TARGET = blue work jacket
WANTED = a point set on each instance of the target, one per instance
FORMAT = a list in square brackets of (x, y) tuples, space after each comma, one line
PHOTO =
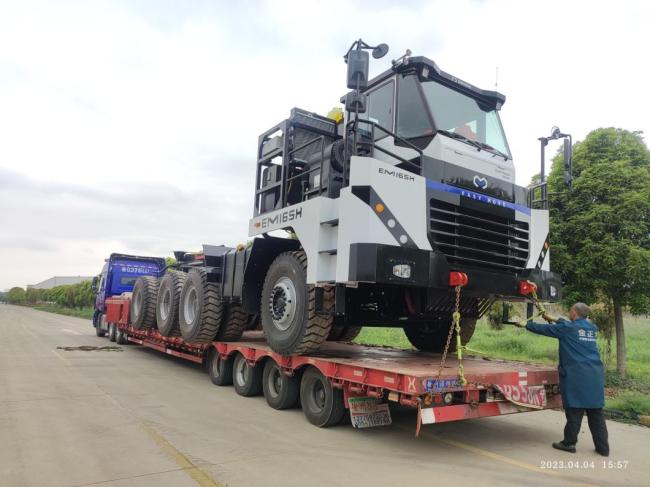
[(582, 376)]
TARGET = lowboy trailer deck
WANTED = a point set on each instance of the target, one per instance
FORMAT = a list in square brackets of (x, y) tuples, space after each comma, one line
[(361, 379)]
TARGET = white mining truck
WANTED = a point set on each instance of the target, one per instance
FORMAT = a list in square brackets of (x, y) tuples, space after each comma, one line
[(381, 201)]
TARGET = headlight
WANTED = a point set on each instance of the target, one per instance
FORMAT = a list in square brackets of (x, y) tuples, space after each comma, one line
[(402, 270)]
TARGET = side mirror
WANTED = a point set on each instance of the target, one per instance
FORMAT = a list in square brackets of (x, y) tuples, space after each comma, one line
[(93, 286), (568, 162), (358, 65)]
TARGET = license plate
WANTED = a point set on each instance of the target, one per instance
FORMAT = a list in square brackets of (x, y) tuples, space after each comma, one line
[(368, 412)]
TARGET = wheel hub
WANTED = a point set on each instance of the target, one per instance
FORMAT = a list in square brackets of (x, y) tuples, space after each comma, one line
[(166, 304), (191, 305), (282, 303)]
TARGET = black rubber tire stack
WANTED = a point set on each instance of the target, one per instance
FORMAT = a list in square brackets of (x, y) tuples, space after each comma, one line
[(307, 329), (143, 302), (200, 308), (169, 295)]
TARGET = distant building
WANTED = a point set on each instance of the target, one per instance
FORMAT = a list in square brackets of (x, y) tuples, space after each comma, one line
[(59, 281)]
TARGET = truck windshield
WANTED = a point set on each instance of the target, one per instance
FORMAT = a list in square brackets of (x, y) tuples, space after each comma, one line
[(452, 112)]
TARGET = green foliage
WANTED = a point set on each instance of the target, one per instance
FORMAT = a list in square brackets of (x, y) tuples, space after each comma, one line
[(4, 296), (170, 261), (16, 295), (600, 230), (69, 296), (630, 402)]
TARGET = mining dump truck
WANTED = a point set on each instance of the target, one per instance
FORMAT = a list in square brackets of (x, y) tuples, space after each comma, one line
[(361, 217)]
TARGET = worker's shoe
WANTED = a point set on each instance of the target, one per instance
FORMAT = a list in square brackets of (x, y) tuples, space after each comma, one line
[(604, 453), (560, 445)]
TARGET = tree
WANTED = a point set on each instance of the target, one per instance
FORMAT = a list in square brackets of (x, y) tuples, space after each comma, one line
[(16, 295), (600, 229)]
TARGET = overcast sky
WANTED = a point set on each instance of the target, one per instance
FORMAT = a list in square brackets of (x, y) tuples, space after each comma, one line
[(131, 126)]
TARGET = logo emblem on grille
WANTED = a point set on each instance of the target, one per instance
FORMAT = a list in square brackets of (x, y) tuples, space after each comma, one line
[(479, 182)]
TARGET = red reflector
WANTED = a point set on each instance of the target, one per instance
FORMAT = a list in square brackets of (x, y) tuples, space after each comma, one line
[(458, 279), (527, 287)]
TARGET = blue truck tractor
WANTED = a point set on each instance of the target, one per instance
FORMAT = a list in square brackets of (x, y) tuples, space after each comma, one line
[(118, 276)]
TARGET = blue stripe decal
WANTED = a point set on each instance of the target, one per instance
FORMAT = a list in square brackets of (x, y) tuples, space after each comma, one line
[(466, 193)]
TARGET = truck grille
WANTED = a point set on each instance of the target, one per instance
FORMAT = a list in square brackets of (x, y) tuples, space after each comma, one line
[(476, 239)]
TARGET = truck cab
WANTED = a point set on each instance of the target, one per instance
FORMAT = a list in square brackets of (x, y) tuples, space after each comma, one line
[(118, 276)]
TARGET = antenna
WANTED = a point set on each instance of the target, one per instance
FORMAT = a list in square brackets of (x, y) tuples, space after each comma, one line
[(496, 79)]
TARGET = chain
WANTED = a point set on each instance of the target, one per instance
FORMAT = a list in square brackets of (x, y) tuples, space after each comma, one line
[(454, 327), (541, 310)]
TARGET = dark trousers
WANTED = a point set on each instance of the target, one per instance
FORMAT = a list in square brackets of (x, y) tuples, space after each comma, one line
[(597, 427)]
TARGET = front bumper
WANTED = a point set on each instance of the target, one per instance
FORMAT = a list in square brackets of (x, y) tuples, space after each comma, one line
[(375, 263)]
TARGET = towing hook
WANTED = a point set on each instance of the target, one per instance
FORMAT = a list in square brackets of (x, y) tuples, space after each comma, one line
[(458, 279)]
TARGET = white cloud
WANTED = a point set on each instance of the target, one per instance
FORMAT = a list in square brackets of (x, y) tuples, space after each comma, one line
[(133, 126)]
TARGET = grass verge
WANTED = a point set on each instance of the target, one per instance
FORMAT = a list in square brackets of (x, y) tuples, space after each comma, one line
[(53, 308)]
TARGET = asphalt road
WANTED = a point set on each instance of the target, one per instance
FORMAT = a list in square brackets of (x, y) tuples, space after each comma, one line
[(136, 417)]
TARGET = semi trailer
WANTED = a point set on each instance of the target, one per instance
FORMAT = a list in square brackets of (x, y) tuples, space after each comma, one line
[(411, 180), (349, 382)]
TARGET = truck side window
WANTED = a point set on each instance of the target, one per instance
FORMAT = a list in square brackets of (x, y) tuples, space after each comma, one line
[(380, 108)]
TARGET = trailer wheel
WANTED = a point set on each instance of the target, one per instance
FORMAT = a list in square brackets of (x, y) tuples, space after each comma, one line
[(246, 379), (288, 311), (143, 302), (234, 323), (219, 369), (341, 333), (432, 337), (111, 331), (200, 308), (322, 404), (99, 331), (120, 337), (281, 391), (169, 295)]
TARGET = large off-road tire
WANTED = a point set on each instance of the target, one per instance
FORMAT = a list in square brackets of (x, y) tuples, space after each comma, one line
[(288, 310), (432, 337), (99, 331), (143, 302), (341, 333), (169, 295), (234, 323), (219, 369), (281, 391), (322, 404), (246, 379), (200, 308)]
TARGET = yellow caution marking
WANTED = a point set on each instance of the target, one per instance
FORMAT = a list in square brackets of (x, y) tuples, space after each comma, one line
[(199, 476)]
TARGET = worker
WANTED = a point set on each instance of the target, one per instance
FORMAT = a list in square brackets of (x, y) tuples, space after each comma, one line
[(582, 376)]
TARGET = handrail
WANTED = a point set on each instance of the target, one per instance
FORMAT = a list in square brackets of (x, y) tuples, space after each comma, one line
[(374, 125)]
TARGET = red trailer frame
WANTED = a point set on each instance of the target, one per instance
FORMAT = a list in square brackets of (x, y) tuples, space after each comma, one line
[(494, 387)]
